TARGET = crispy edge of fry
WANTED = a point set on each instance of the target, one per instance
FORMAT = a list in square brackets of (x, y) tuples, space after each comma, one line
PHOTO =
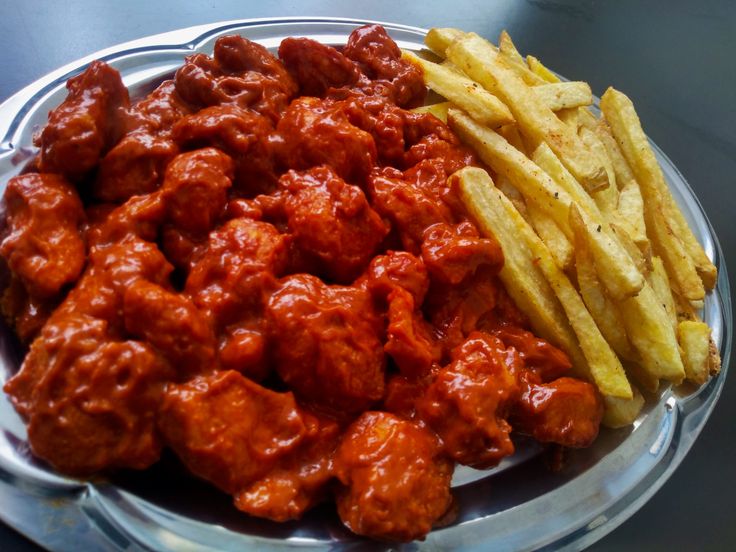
[(564, 95), (438, 39), (602, 309), (508, 48), (539, 69), (554, 238), (714, 358), (626, 127), (694, 337), (469, 96), (686, 312), (630, 208), (439, 110), (500, 217), (622, 412), (667, 244), (479, 60), (521, 277)]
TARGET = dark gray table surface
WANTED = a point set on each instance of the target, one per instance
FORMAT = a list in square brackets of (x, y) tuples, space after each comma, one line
[(676, 61)]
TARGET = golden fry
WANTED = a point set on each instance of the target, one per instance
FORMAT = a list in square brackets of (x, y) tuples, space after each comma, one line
[(536, 67), (507, 49), (570, 118), (439, 39), (469, 96), (554, 238), (650, 332), (661, 286), (642, 262), (563, 95), (672, 237), (602, 309), (514, 195), (439, 110), (694, 338), (687, 312), (630, 203), (480, 61), (622, 412)]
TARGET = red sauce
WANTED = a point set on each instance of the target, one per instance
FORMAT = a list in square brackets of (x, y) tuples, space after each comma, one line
[(262, 267)]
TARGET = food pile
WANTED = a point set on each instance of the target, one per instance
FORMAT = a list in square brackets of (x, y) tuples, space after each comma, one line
[(597, 252), (300, 280)]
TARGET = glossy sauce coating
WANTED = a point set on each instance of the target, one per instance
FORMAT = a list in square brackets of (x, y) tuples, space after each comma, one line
[(261, 266), (395, 478)]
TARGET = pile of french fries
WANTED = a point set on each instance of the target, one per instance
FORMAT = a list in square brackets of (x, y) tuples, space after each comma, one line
[(597, 253)]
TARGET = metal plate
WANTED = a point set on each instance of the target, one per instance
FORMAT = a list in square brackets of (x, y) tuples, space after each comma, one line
[(520, 505)]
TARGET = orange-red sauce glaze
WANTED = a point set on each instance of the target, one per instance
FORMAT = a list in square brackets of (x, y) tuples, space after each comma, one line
[(263, 266)]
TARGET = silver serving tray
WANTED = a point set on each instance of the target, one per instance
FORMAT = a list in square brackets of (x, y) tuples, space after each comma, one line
[(520, 505)]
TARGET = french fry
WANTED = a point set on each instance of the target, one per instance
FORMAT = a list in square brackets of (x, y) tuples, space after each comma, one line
[(563, 95), (499, 216), (686, 312), (512, 136), (439, 39), (536, 67), (586, 119), (507, 49), (672, 237), (642, 262), (694, 338), (661, 286), (570, 118), (602, 309), (606, 198), (554, 238), (520, 274), (650, 332), (622, 412), (479, 60), (546, 159), (439, 110), (630, 206), (514, 195), (469, 96)]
